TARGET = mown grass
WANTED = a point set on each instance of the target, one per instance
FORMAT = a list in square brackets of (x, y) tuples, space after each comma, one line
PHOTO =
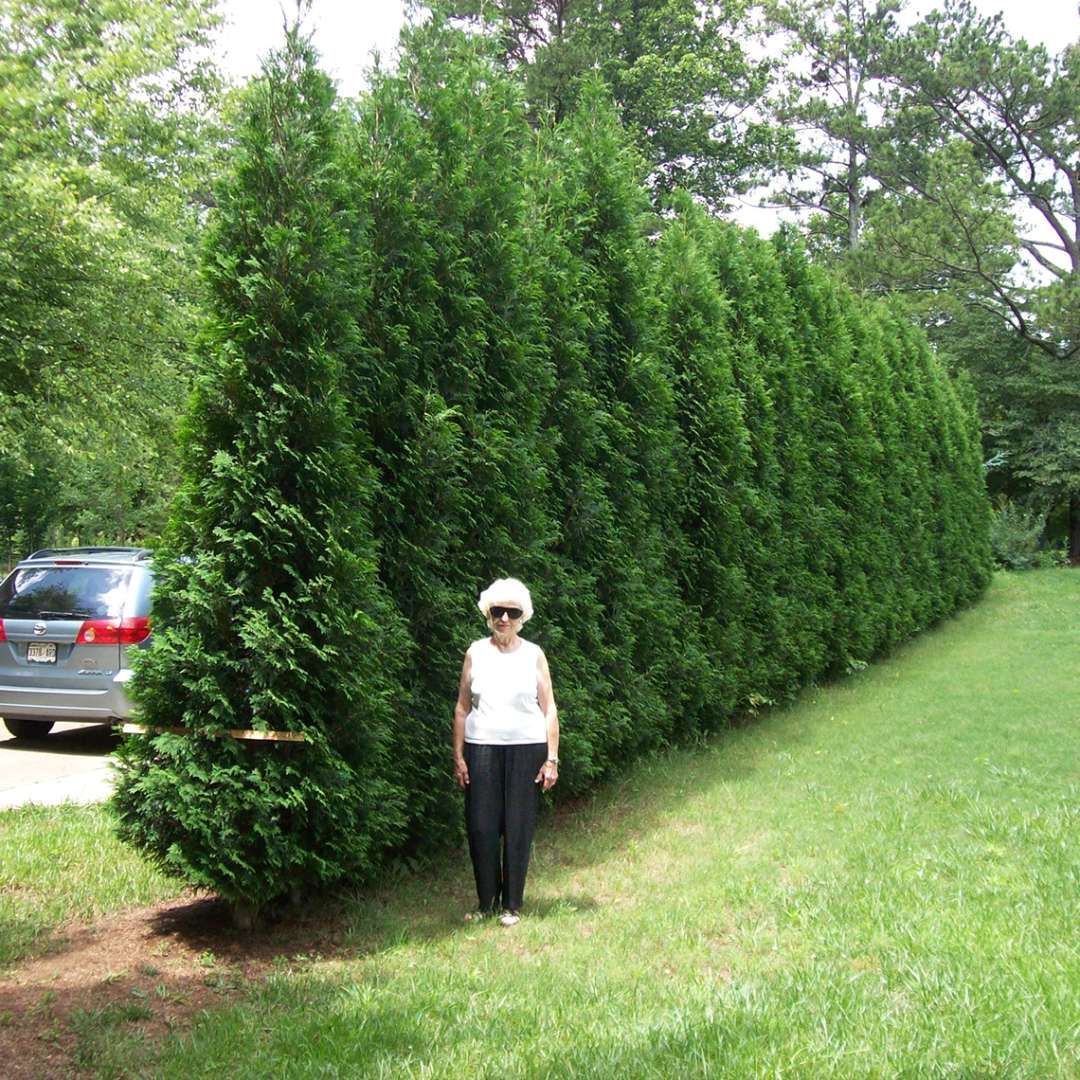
[(881, 880), (59, 863)]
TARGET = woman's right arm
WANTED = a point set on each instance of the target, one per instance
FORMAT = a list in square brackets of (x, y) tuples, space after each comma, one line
[(461, 710)]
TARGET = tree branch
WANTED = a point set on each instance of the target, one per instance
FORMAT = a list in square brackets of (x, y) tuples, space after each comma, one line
[(948, 110), (1032, 248), (1009, 309)]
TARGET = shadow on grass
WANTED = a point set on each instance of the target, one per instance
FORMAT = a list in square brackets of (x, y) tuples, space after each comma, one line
[(58, 1025), (545, 907), (427, 904), (411, 905)]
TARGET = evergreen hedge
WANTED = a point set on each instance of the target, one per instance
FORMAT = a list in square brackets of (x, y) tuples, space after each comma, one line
[(447, 347)]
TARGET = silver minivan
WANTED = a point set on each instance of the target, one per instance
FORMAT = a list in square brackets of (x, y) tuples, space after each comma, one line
[(69, 618)]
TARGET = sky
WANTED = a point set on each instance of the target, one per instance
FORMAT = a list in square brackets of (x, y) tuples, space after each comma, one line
[(346, 31)]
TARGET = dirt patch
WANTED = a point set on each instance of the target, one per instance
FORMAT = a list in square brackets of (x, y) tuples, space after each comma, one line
[(153, 968)]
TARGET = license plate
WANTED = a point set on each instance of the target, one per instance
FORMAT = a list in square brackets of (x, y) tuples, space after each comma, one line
[(41, 652)]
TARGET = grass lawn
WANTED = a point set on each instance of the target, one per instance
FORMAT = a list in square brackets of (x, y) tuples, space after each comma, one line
[(59, 863), (883, 879)]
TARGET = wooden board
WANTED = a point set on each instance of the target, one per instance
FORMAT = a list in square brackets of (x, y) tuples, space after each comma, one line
[(235, 733)]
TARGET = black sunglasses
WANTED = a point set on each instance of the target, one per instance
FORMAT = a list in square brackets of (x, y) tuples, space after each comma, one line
[(498, 611)]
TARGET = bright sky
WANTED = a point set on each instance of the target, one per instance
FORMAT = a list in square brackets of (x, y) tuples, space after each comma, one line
[(1054, 23), (346, 31)]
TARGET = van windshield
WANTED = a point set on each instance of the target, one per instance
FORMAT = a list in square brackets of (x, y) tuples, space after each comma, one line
[(64, 592)]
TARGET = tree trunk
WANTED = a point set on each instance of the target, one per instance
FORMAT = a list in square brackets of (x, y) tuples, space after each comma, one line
[(853, 207), (245, 915), (1074, 529)]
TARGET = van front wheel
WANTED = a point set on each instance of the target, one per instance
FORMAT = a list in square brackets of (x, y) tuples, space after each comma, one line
[(28, 729)]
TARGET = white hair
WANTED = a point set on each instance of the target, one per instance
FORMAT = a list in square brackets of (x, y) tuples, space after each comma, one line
[(507, 591)]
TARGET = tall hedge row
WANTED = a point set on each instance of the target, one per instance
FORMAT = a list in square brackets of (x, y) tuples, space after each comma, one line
[(454, 347)]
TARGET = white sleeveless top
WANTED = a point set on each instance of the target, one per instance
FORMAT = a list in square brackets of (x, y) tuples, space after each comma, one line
[(504, 711)]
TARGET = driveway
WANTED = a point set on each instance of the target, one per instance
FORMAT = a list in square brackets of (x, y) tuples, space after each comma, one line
[(71, 764)]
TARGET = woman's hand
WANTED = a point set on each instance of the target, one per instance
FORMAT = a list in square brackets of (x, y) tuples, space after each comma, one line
[(461, 773), (548, 775)]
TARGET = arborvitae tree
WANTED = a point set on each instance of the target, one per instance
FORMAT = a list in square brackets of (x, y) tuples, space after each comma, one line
[(574, 427), (590, 557), (453, 376), (267, 613), (952, 453), (847, 496), (803, 588), (971, 552), (715, 499), (621, 456), (917, 580), (826, 443), (759, 502), (885, 565)]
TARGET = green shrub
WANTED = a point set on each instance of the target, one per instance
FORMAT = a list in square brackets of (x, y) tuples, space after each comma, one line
[(1015, 533)]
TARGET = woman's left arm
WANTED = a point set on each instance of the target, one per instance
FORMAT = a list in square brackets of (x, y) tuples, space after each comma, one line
[(545, 696)]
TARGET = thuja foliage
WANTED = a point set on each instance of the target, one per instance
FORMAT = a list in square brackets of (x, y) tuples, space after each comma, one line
[(629, 642), (453, 375), (722, 474), (448, 347), (268, 611)]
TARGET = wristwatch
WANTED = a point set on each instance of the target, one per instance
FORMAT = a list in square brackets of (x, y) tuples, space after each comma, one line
[(553, 760)]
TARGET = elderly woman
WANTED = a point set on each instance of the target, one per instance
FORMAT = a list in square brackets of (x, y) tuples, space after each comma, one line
[(506, 746)]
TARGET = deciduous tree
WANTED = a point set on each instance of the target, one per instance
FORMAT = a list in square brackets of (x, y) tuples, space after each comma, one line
[(107, 111)]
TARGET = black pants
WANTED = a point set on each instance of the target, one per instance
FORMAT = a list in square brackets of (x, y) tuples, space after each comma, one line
[(500, 818)]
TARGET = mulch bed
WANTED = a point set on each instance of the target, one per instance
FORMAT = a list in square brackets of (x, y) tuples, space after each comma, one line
[(158, 967)]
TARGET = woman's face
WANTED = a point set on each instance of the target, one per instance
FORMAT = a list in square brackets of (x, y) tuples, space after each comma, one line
[(505, 617)]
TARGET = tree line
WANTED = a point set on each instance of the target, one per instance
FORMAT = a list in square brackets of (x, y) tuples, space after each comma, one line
[(935, 163), (110, 118), (446, 342)]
